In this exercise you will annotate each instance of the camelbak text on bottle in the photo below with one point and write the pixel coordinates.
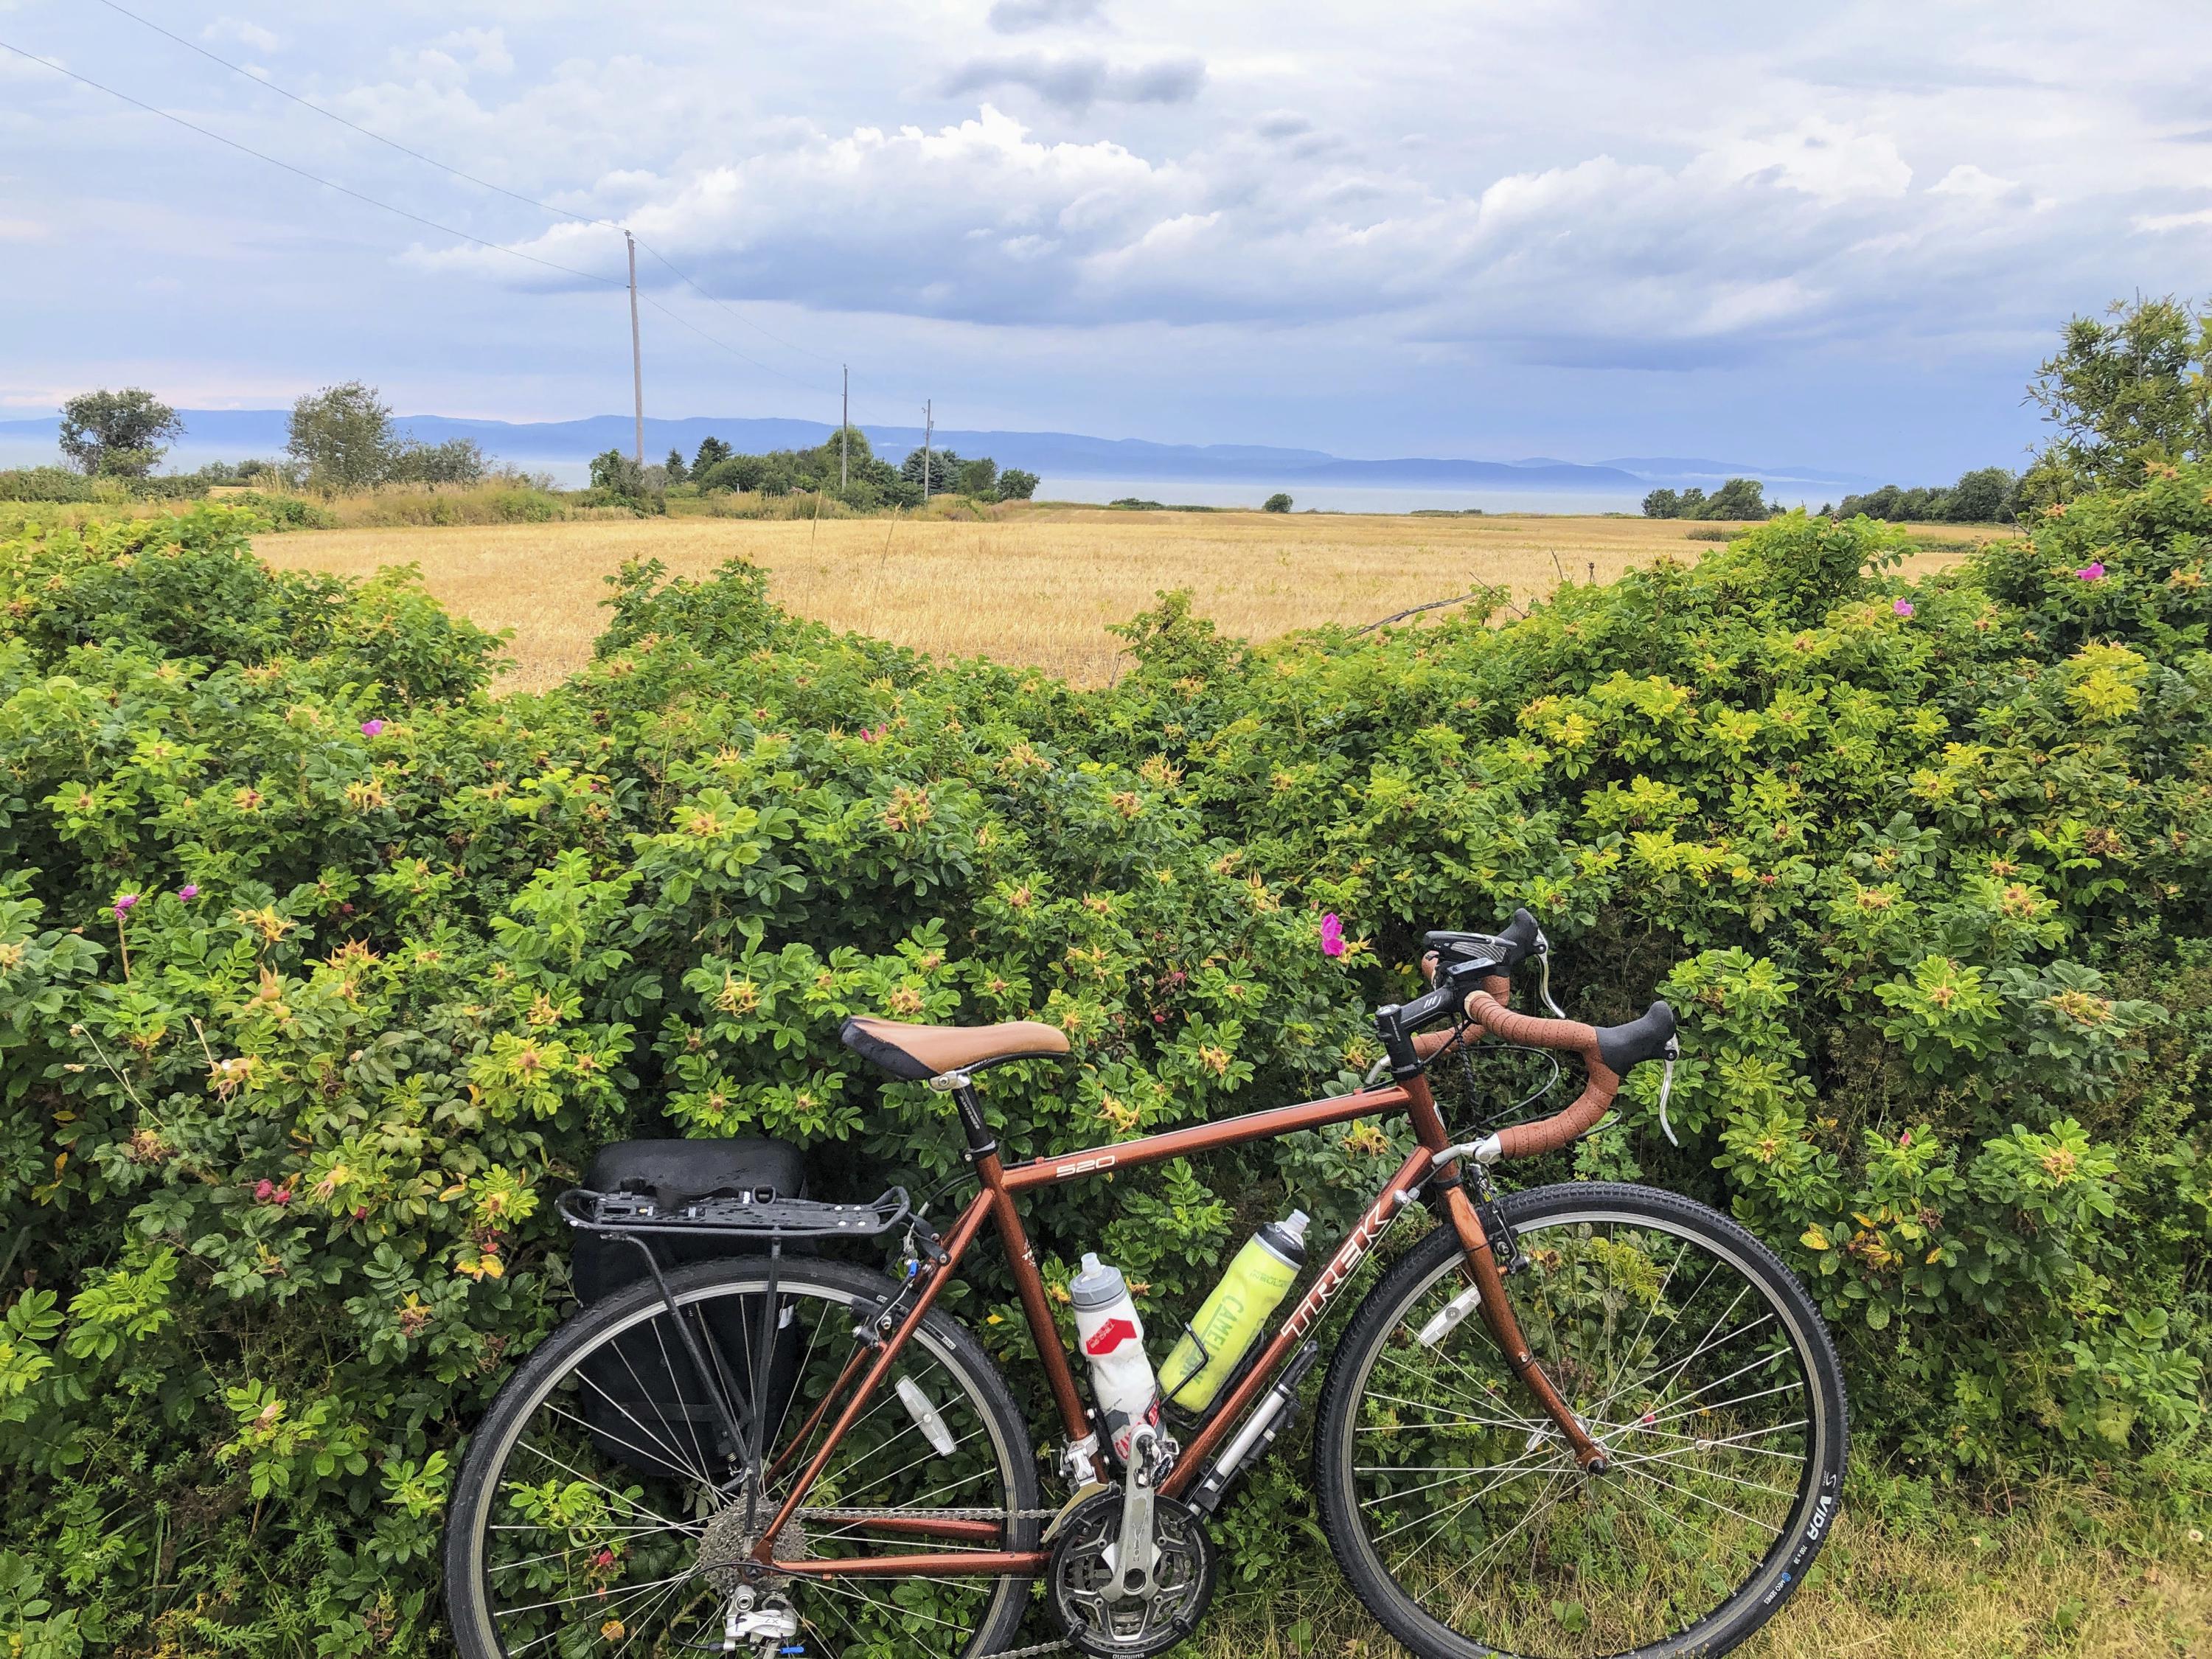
(1230, 1320)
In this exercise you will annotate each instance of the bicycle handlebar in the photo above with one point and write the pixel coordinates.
(1456, 960)
(1607, 1052)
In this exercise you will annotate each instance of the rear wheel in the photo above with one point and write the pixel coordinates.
(1694, 1359)
(603, 1503)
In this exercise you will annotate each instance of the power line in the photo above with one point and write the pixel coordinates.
(404, 213)
(739, 315)
(306, 103)
(313, 178)
(457, 172)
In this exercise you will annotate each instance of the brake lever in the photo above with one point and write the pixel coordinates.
(1666, 1088)
(1544, 977)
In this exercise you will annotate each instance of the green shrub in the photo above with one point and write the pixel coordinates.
(284, 512)
(1923, 867)
(55, 484)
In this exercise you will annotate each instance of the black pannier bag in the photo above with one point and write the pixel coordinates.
(644, 1401)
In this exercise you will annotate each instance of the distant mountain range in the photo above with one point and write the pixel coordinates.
(232, 433)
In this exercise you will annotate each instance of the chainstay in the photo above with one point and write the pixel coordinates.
(1057, 1645)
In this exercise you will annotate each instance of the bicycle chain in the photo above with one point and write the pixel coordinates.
(812, 1514)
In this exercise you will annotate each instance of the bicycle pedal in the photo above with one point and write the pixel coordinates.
(1082, 1494)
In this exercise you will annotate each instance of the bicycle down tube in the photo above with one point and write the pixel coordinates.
(995, 1201)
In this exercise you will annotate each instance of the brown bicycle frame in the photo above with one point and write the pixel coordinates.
(994, 1200)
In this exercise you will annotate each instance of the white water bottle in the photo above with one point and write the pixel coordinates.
(1113, 1341)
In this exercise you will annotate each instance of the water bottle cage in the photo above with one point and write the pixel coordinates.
(1204, 1358)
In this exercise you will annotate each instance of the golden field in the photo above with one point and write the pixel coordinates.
(1033, 585)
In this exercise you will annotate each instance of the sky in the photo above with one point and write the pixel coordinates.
(1835, 236)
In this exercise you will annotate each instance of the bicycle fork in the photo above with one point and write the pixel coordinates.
(1493, 1304)
(1497, 1310)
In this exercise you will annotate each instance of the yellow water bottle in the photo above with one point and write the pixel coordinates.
(1229, 1322)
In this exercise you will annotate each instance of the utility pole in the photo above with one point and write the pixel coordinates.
(928, 429)
(844, 430)
(636, 353)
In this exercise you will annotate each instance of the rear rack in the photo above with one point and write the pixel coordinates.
(761, 1213)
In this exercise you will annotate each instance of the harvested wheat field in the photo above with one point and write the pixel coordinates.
(1035, 584)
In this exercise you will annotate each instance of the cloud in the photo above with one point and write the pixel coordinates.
(1764, 237)
(1970, 181)
(1829, 161)
(2165, 221)
(1076, 81)
(485, 49)
(246, 34)
(1018, 16)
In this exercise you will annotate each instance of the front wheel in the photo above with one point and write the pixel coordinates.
(1694, 1359)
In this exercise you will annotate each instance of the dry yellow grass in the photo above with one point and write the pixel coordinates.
(1034, 586)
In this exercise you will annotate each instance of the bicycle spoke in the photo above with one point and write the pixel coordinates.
(606, 1533)
(1481, 1516)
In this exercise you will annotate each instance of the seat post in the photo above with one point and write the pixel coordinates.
(981, 1143)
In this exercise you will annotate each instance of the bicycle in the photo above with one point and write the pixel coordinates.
(786, 1453)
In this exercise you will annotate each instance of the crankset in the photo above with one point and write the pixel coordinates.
(1089, 1592)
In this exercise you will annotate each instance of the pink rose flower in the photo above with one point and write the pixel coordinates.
(1332, 935)
(188, 892)
(123, 905)
(370, 728)
(1903, 607)
(2092, 572)
(263, 1190)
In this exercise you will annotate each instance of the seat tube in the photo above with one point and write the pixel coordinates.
(1037, 1307)
(1029, 1283)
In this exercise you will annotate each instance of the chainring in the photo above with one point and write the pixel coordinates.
(1083, 1583)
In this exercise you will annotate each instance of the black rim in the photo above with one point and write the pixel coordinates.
(1688, 1364)
(609, 1504)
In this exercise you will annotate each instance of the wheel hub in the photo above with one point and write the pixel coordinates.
(725, 1549)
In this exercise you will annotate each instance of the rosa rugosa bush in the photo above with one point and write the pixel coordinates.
(322, 969)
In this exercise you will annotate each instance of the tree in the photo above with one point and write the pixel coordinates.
(456, 461)
(1738, 498)
(117, 434)
(1984, 495)
(618, 476)
(342, 437)
(676, 469)
(1016, 485)
(944, 471)
(1278, 502)
(1662, 504)
(1691, 504)
(2134, 389)
(979, 478)
(711, 450)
